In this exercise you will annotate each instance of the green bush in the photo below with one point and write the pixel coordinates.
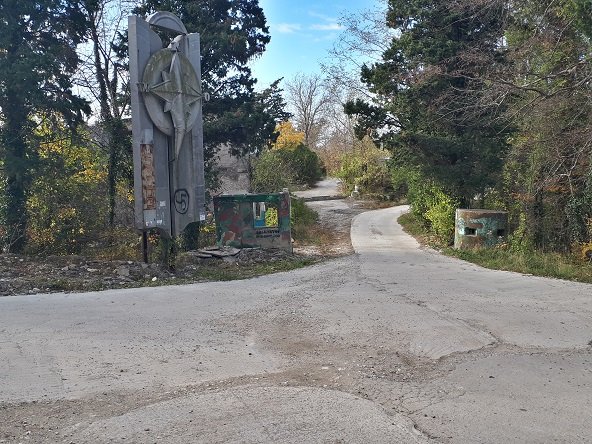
(366, 167)
(271, 173)
(305, 164)
(441, 214)
(285, 168)
(304, 223)
(430, 203)
(302, 214)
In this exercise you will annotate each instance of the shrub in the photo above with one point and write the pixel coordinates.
(67, 202)
(441, 213)
(366, 167)
(305, 164)
(430, 203)
(304, 222)
(285, 168)
(271, 173)
(302, 214)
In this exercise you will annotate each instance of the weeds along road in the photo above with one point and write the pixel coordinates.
(394, 344)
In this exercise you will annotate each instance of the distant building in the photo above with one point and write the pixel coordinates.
(233, 173)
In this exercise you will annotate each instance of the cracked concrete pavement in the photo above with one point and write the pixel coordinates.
(395, 344)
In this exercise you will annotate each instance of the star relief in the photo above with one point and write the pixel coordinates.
(178, 94)
(172, 87)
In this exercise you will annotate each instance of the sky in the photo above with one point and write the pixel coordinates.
(302, 33)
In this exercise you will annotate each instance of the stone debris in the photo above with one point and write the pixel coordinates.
(28, 275)
(71, 273)
(123, 271)
(203, 255)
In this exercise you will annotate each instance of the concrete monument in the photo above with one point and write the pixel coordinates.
(167, 124)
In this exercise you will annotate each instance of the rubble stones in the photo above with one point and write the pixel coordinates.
(28, 275)
(21, 274)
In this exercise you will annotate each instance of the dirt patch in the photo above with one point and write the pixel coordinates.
(334, 226)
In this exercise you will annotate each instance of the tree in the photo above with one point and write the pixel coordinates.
(340, 135)
(548, 75)
(288, 137)
(38, 58)
(309, 99)
(489, 98)
(259, 119)
(104, 76)
(430, 106)
(365, 37)
(363, 40)
(233, 32)
(67, 200)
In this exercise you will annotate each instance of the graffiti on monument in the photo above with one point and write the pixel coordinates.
(181, 201)
(167, 124)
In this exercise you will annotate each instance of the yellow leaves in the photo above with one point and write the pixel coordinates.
(271, 217)
(81, 163)
(122, 190)
(207, 228)
(67, 200)
(289, 138)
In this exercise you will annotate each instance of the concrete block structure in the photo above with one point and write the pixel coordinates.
(479, 228)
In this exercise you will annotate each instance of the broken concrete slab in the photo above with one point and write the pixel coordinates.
(220, 252)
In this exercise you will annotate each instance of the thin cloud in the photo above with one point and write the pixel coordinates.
(288, 28)
(326, 27)
(326, 37)
(327, 23)
(322, 16)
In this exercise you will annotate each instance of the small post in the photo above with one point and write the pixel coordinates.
(145, 246)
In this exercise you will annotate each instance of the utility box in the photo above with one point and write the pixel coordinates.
(254, 220)
(479, 228)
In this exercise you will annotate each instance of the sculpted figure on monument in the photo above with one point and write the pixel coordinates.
(169, 77)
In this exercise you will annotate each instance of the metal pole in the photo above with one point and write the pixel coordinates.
(172, 254)
(145, 246)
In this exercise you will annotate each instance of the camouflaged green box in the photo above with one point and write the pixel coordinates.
(253, 220)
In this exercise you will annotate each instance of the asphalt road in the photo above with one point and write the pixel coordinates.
(328, 187)
(395, 344)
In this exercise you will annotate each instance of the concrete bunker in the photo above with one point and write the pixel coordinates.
(478, 228)
(253, 220)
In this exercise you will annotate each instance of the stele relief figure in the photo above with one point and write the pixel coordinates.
(170, 76)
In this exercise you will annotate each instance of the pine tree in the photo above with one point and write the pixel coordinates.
(431, 106)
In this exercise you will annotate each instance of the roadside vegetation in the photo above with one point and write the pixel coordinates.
(66, 184)
(484, 105)
(574, 267)
(287, 163)
(472, 104)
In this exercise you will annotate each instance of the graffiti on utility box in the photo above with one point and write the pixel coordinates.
(254, 220)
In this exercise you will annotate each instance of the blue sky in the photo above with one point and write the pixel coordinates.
(302, 33)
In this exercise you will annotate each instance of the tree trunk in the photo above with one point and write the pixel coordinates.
(17, 176)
